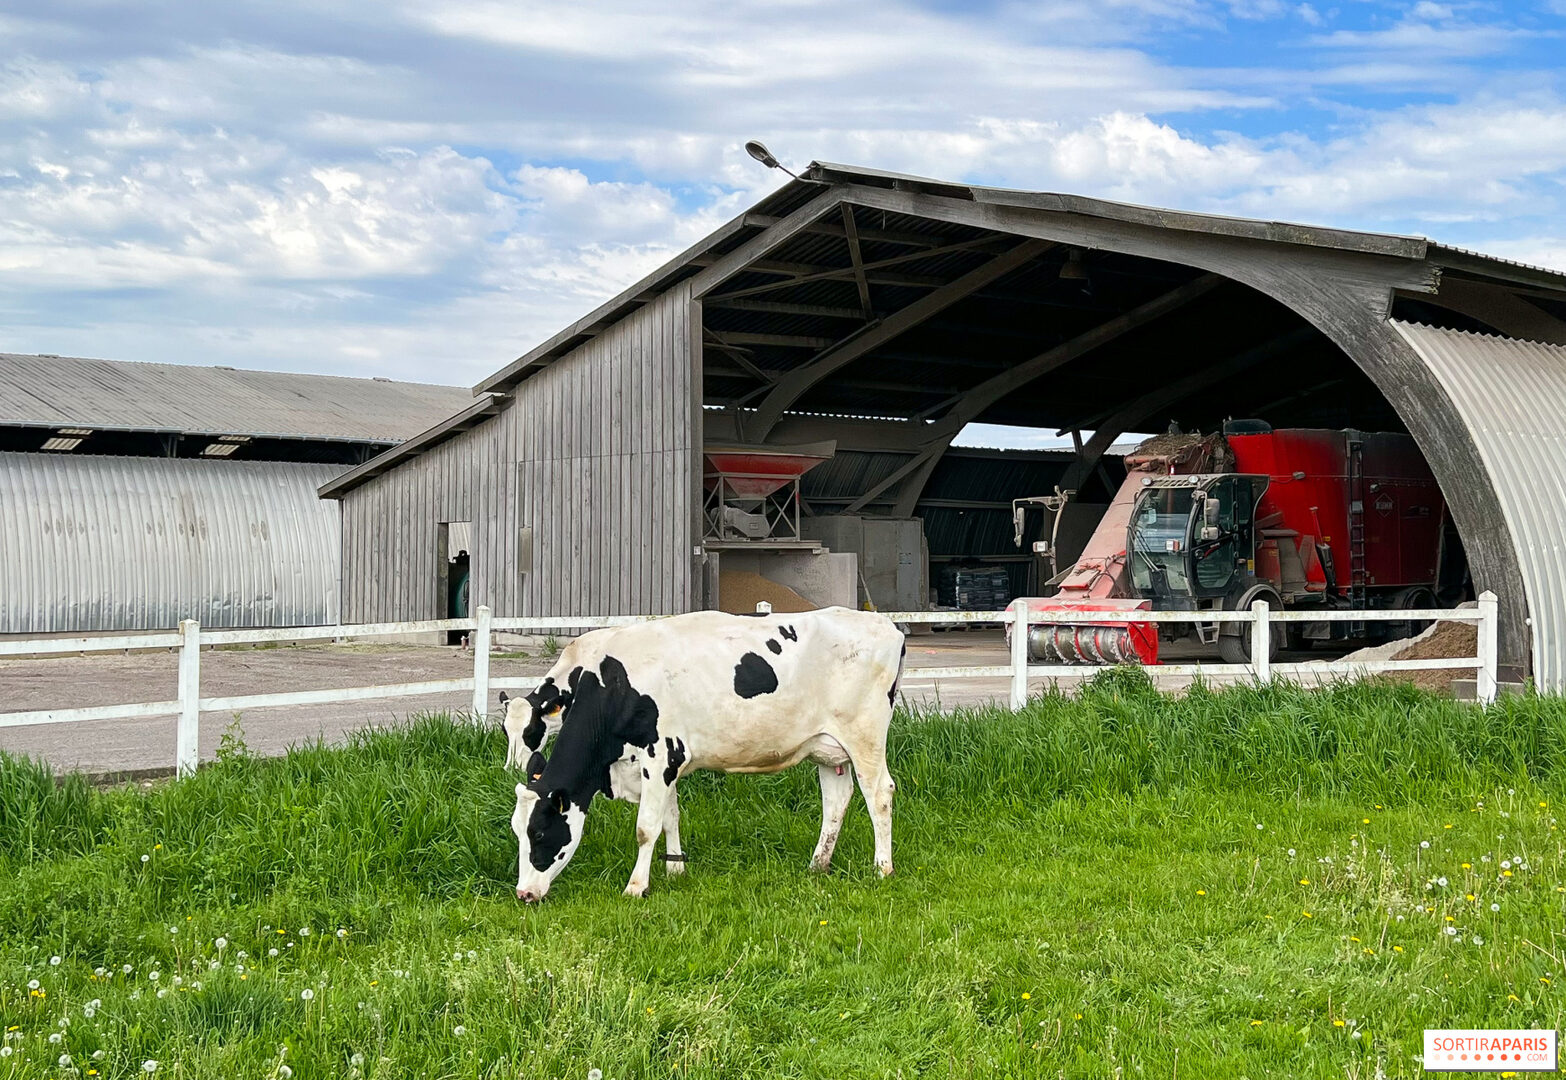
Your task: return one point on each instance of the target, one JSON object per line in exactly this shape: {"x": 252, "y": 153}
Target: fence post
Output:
{"x": 187, "y": 735}
{"x": 481, "y": 663}
{"x": 1489, "y": 619}
{"x": 1261, "y": 641}
{"x": 1019, "y": 653}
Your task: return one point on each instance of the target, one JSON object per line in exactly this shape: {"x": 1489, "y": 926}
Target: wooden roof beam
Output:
{"x": 790, "y": 388}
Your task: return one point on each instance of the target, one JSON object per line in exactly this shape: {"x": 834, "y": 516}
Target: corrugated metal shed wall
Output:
{"x": 594, "y": 454}
{"x": 112, "y": 543}
{"x": 1512, "y": 397}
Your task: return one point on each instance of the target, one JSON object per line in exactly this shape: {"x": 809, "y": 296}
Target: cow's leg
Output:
{"x": 837, "y": 788}
{"x": 671, "y": 834}
{"x": 875, "y": 782}
{"x": 651, "y": 814}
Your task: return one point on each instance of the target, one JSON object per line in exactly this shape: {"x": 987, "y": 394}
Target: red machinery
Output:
{"x": 1298, "y": 517}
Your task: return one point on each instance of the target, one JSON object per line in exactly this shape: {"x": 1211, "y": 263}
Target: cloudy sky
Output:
{"x": 425, "y": 190}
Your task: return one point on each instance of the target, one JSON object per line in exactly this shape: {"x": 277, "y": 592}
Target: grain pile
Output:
{"x": 739, "y": 591}
{"x": 1446, "y": 639}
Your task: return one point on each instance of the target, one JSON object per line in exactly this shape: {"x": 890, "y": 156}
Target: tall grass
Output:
{"x": 402, "y": 838}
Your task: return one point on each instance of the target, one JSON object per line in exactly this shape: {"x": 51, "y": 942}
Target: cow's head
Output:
{"x": 548, "y": 828}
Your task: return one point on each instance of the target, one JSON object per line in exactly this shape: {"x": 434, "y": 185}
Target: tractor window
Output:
{"x": 1160, "y": 530}
{"x": 1216, "y": 556}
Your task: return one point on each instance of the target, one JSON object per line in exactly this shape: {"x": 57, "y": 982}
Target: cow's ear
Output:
{"x": 503, "y": 697}
{"x": 535, "y": 765}
{"x": 566, "y": 699}
{"x": 559, "y": 800}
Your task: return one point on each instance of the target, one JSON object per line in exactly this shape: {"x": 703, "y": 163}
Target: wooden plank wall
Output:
{"x": 594, "y": 453}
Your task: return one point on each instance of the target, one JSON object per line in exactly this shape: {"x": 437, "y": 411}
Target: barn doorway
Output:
{"x": 453, "y": 577}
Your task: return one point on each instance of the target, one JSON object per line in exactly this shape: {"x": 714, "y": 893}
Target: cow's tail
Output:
{"x": 902, "y": 657}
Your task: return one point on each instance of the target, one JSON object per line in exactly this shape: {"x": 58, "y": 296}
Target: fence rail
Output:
{"x": 189, "y": 706}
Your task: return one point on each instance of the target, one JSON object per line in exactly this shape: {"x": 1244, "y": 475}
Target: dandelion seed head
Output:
{"x": 54, "y": 961}
{"x": 146, "y": 858}
{"x": 55, "y": 1037}
{"x": 163, "y": 992}
{"x": 284, "y": 1071}
{"x": 304, "y": 931}
{"x": 595, "y": 1074}
{"x": 65, "y": 1060}
{"x": 341, "y": 932}
{"x": 221, "y": 943}
{"x": 32, "y": 984}
{"x": 271, "y": 952}
{"x": 6, "y": 1051}
{"x": 149, "y": 1066}
{"x": 1424, "y": 844}
{"x": 1495, "y": 907}
{"x": 307, "y": 993}
{"x": 459, "y": 1031}
{"x": 472, "y": 955}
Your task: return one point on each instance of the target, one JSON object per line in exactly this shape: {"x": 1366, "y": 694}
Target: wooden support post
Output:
{"x": 1019, "y": 653}
{"x": 481, "y": 663}
{"x": 1261, "y": 641}
{"x": 187, "y": 735}
{"x": 1485, "y": 685}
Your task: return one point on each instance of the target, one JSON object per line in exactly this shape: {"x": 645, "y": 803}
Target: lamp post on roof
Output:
{"x": 758, "y": 150}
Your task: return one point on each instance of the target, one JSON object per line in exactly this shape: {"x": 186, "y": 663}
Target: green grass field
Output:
{"x": 1253, "y": 882}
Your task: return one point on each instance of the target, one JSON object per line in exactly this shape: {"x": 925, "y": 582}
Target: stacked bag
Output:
{"x": 974, "y": 588}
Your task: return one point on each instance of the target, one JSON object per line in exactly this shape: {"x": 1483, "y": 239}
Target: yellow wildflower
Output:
{"x": 1307, "y": 914}
{"x": 1304, "y": 881}
{"x": 1397, "y": 948}
{"x": 1027, "y": 996}
{"x": 1514, "y": 997}
{"x": 1337, "y": 1023}
{"x": 1364, "y": 821}
{"x": 823, "y": 922}
{"x": 1256, "y": 1023}
{"x": 1201, "y": 892}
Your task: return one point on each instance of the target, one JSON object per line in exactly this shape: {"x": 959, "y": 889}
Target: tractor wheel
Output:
{"x": 1237, "y": 649}
{"x": 1410, "y": 599}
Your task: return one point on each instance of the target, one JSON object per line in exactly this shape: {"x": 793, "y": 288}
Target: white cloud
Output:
{"x": 425, "y": 191}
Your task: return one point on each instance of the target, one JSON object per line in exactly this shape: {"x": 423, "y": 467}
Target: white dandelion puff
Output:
{"x": 459, "y": 1031}
{"x": 55, "y": 1037}
{"x": 154, "y": 976}
{"x": 1424, "y": 844}
{"x": 221, "y": 943}
{"x": 149, "y": 1066}
{"x": 54, "y": 961}
{"x": 307, "y": 993}
{"x": 271, "y": 952}
{"x": 1495, "y": 907}
{"x": 32, "y": 984}
{"x": 146, "y": 858}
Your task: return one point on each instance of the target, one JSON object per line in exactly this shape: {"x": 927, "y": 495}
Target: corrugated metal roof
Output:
{"x": 128, "y": 543}
{"x": 55, "y": 391}
{"x": 1511, "y": 395}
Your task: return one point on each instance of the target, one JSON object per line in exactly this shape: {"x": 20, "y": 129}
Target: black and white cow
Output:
{"x": 728, "y": 693}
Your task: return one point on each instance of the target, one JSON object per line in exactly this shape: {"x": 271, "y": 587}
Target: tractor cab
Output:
{"x": 1192, "y": 538}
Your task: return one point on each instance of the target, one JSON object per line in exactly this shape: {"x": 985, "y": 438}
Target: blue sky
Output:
{"x": 424, "y": 190}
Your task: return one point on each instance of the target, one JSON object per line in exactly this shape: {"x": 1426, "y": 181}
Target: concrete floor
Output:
{"x": 133, "y": 746}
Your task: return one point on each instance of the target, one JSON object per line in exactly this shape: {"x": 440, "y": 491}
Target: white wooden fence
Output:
{"x": 189, "y": 705}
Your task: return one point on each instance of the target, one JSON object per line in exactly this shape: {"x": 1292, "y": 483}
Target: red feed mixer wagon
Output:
{"x": 1302, "y": 518}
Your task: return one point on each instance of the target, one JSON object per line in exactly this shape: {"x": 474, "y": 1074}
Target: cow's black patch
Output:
{"x": 646, "y": 775}
{"x": 772, "y": 643}
{"x": 671, "y": 771}
{"x": 753, "y": 676}
{"x": 788, "y": 632}
{"x": 548, "y": 832}
{"x": 607, "y": 714}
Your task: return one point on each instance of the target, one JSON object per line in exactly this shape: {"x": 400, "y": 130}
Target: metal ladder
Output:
{"x": 1358, "y": 573}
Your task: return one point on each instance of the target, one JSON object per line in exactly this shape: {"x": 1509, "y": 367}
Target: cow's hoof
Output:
{"x": 636, "y": 891}
{"x": 674, "y": 869}
{"x": 820, "y": 866}
{"x": 885, "y": 868}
